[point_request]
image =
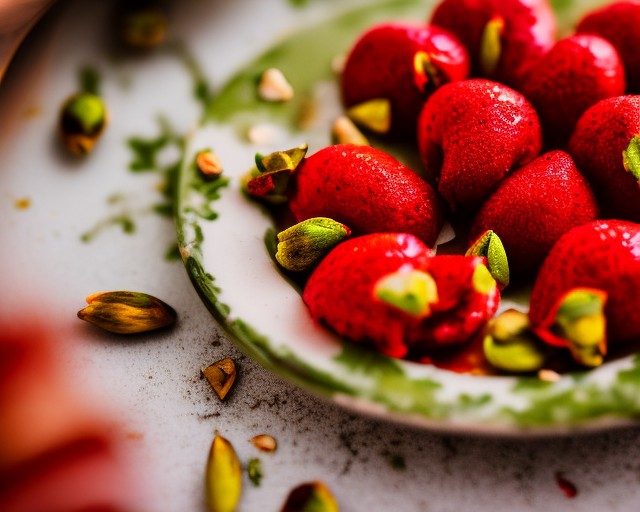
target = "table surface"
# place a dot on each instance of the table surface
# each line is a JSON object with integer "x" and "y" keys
{"x": 152, "y": 383}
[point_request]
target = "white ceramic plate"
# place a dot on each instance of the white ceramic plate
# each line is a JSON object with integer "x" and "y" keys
{"x": 222, "y": 240}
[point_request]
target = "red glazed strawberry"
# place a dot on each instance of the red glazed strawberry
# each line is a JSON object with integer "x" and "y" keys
{"x": 618, "y": 23}
{"x": 577, "y": 72}
{"x": 592, "y": 265}
{"x": 503, "y": 37}
{"x": 606, "y": 147}
{"x": 388, "y": 290}
{"x": 533, "y": 207}
{"x": 367, "y": 190}
{"x": 401, "y": 64}
{"x": 471, "y": 134}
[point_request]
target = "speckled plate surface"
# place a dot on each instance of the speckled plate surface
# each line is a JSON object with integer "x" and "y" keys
{"x": 222, "y": 241}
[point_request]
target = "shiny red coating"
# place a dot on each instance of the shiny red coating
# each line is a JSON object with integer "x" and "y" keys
{"x": 471, "y": 134}
{"x": 601, "y": 135}
{"x": 577, "y": 72}
{"x": 381, "y": 65}
{"x": 366, "y": 189}
{"x": 533, "y": 207}
{"x": 604, "y": 255}
{"x": 529, "y": 32}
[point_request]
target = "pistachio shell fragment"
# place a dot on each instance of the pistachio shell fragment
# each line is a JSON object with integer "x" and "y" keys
{"x": 223, "y": 482}
{"x": 269, "y": 180}
{"x": 124, "y": 312}
{"x": 303, "y": 245}
{"x": 287, "y": 160}
{"x": 412, "y": 292}
{"x": 274, "y": 86}
{"x": 490, "y": 247}
{"x": 83, "y": 118}
{"x": 374, "y": 115}
{"x": 344, "y": 131}
{"x": 221, "y": 375}
{"x": 631, "y": 158}
{"x": 264, "y": 443}
{"x": 310, "y": 497}
{"x": 491, "y": 45}
{"x": 208, "y": 163}
{"x": 511, "y": 346}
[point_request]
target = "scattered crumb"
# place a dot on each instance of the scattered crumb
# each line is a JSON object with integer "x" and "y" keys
{"x": 567, "y": 487}
{"x": 274, "y": 86}
{"x": 548, "y": 375}
{"x": 135, "y": 435}
{"x": 261, "y": 134}
{"x": 22, "y": 204}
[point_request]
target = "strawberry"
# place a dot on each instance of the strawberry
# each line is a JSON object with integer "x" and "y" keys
{"x": 388, "y": 290}
{"x": 618, "y": 23}
{"x": 401, "y": 64}
{"x": 503, "y": 37}
{"x": 471, "y": 134}
{"x": 533, "y": 207}
{"x": 367, "y": 190}
{"x": 606, "y": 147}
{"x": 592, "y": 266}
{"x": 577, "y": 72}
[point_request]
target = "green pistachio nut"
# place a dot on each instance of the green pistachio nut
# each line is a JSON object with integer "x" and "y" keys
{"x": 125, "y": 312}
{"x": 580, "y": 320}
{"x": 631, "y": 158}
{"x": 491, "y": 45}
{"x": 410, "y": 291}
{"x": 82, "y": 120}
{"x": 490, "y": 247}
{"x": 269, "y": 180}
{"x": 373, "y": 115}
{"x": 511, "y": 346}
{"x": 223, "y": 478}
{"x": 310, "y": 497}
{"x": 302, "y": 246}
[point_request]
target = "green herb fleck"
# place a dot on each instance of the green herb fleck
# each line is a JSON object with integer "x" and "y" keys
{"x": 89, "y": 80}
{"x": 123, "y": 220}
{"x": 254, "y": 469}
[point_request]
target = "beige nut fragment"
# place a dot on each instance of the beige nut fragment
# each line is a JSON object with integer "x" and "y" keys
{"x": 264, "y": 443}
{"x": 221, "y": 375}
{"x": 274, "y": 86}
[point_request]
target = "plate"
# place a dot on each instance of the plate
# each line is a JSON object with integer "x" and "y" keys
{"x": 223, "y": 242}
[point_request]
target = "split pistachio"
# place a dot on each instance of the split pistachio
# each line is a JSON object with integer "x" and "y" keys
{"x": 144, "y": 27}
{"x": 426, "y": 76}
{"x": 490, "y": 247}
{"x": 83, "y": 118}
{"x": 344, "y": 131}
{"x": 511, "y": 346}
{"x": 223, "y": 477}
{"x": 221, "y": 375}
{"x": 631, "y": 158}
{"x": 310, "y": 497}
{"x": 264, "y": 443}
{"x": 208, "y": 163}
{"x": 269, "y": 180}
{"x": 491, "y": 45}
{"x": 124, "y": 312}
{"x": 411, "y": 291}
{"x": 303, "y": 245}
{"x": 581, "y": 322}
{"x": 274, "y": 86}
{"x": 374, "y": 115}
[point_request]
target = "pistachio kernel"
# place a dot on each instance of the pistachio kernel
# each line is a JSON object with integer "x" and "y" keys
{"x": 82, "y": 120}
{"x": 223, "y": 478}
{"x": 491, "y": 45}
{"x": 409, "y": 290}
{"x": 208, "y": 163}
{"x": 303, "y": 245}
{"x": 426, "y": 76}
{"x": 490, "y": 247}
{"x": 274, "y": 86}
{"x": 373, "y": 115}
{"x": 344, "y": 131}
{"x": 144, "y": 28}
{"x": 124, "y": 312}
{"x": 310, "y": 497}
{"x": 482, "y": 280}
{"x": 264, "y": 443}
{"x": 511, "y": 346}
{"x": 221, "y": 375}
{"x": 631, "y": 158}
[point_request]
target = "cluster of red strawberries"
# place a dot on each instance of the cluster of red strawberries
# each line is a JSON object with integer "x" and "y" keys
{"x": 531, "y": 143}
